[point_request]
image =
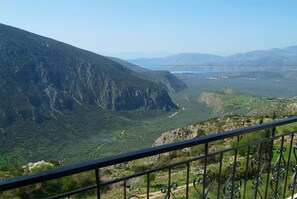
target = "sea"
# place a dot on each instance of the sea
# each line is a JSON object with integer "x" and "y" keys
{"x": 182, "y": 70}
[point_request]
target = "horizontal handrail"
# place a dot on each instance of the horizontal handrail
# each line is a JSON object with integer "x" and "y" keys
{"x": 117, "y": 159}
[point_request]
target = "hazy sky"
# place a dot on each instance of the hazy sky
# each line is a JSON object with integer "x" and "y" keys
{"x": 154, "y": 26}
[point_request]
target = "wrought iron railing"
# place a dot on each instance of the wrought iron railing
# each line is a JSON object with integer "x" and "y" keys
{"x": 252, "y": 162}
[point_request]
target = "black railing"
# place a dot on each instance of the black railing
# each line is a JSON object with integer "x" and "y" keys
{"x": 252, "y": 162}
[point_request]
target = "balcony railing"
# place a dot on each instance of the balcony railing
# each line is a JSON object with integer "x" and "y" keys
{"x": 252, "y": 162}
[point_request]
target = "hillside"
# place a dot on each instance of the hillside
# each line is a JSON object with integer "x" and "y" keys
{"x": 209, "y": 127}
{"x": 230, "y": 102}
{"x": 55, "y": 96}
{"x": 138, "y": 185}
{"x": 41, "y": 77}
{"x": 274, "y": 59}
{"x": 165, "y": 78}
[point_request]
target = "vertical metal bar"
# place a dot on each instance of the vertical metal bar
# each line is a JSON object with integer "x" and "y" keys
{"x": 294, "y": 181}
{"x": 288, "y": 165}
{"x": 246, "y": 171}
{"x": 187, "y": 182}
{"x": 148, "y": 186}
{"x": 97, "y": 183}
{"x": 204, "y": 173}
{"x": 278, "y": 175}
{"x": 293, "y": 191}
{"x": 125, "y": 190}
{"x": 269, "y": 162}
{"x": 169, "y": 182}
{"x": 258, "y": 170}
{"x": 220, "y": 173}
{"x": 233, "y": 173}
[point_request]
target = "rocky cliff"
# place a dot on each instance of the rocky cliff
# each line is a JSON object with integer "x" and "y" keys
{"x": 41, "y": 77}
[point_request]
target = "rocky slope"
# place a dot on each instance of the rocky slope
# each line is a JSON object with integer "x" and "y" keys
{"x": 165, "y": 78}
{"x": 208, "y": 127}
{"x": 41, "y": 77}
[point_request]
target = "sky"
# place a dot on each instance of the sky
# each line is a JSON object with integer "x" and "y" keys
{"x": 152, "y": 28}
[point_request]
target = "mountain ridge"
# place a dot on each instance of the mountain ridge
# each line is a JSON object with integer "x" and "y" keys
{"x": 276, "y": 59}
{"x": 163, "y": 77}
{"x": 177, "y": 59}
{"x": 41, "y": 77}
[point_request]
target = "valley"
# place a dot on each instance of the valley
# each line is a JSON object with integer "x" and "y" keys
{"x": 211, "y": 103}
{"x": 97, "y": 133}
{"x": 56, "y": 99}
{"x": 148, "y": 99}
{"x": 64, "y": 104}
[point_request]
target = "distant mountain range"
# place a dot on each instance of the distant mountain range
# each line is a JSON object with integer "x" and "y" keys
{"x": 41, "y": 77}
{"x": 273, "y": 59}
{"x": 178, "y": 59}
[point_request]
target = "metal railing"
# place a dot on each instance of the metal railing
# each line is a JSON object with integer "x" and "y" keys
{"x": 252, "y": 162}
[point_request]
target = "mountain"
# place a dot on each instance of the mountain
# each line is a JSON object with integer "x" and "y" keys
{"x": 165, "y": 78}
{"x": 274, "y": 59}
{"x": 130, "y": 66}
{"x": 178, "y": 59}
{"x": 41, "y": 77}
{"x": 289, "y": 52}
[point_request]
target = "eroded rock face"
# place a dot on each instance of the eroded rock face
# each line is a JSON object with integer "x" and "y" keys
{"x": 41, "y": 77}
{"x": 212, "y": 126}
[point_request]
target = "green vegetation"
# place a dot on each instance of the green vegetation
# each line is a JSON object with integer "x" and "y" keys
{"x": 73, "y": 126}
{"x": 159, "y": 179}
{"x": 59, "y": 102}
{"x": 91, "y": 133}
{"x": 230, "y": 102}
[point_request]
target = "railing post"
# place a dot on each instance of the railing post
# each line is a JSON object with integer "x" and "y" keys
{"x": 205, "y": 164}
{"x": 187, "y": 181}
{"x": 125, "y": 190}
{"x": 258, "y": 170}
{"x": 148, "y": 186}
{"x": 169, "y": 182}
{"x": 269, "y": 161}
{"x": 277, "y": 188}
{"x": 288, "y": 165}
{"x": 220, "y": 173}
{"x": 233, "y": 173}
{"x": 246, "y": 171}
{"x": 97, "y": 182}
